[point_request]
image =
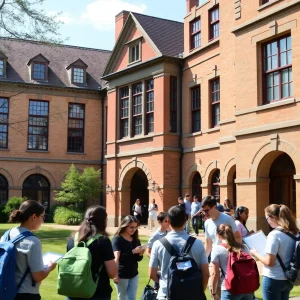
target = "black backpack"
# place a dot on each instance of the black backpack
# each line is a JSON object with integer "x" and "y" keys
{"x": 292, "y": 272}
{"x": 184, "y": 275}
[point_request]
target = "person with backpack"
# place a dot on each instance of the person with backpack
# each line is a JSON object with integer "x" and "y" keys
{"x": 240, "y": 277}
{"x": 241, "y": 215}
{"x": 279, "y": 250}
{"x": 25, "y": 271}
{"x": 182, "y": 261}
{"x": 128, "y": 252}
{"x": 103, "y": 265}
{"x": 214, "y": 219}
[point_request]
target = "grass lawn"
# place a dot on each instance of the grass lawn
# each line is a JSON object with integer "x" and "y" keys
{"x": 55, "y": 240}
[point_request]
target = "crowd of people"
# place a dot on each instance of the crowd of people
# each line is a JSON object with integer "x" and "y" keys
{"x": 224, "y": 226}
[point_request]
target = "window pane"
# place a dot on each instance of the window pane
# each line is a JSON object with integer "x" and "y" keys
{"x": 39, "y": 71}
{"x": 291, "y": 89}
{"x": 276, "y": 93}
{"x": 283, "y": 59}
{"x": 270, "y": 80}
{"x": 282, "y": 44}
{"x": 285, "y": 90}
{"x": 289, "y": 57}
{"x": 274, "y": 62}
{"x": 285, "y": 75}
{"x": 276, "y": 78}
{"x": 78, "y": 75}
{"x": 274, "y": 48}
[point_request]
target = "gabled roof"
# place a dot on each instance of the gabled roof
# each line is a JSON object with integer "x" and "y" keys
{"x": 164, "y": 36}
{"x": 19, "y": 52}
{"x": 76, "y": 63}
{"x": 167, "y": 35}
{"x": 35, "y": 57}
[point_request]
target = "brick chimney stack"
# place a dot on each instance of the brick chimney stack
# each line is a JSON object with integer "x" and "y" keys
{"x": 120, "y": 20}
{"x": 190, "y": 4}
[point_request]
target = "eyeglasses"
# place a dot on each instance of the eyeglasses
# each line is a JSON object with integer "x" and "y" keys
{"x": 206, "y": 210}
{"x": 267, "y": 219}
{"x": 42, "y": 216}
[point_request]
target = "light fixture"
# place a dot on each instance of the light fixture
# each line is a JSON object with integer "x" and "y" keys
{"x": 109, "y": 189}
{"x": 154, "y": 186}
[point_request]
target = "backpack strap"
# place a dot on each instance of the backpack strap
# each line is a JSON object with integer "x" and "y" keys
{"x": 168, "y": 246}
{"x": 21, "y": 236}
{"x": 188, "y": 245}
{"x": 87, "y": 243}
{"x": 287, "y": 233}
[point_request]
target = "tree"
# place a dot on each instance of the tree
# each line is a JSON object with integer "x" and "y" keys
{"x": 21, "y": 19}
{"x": 78, "y": 188}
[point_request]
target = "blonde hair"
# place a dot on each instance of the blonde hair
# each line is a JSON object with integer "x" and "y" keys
{"x": 282, "y": 214}
{"x": 225, "y": 231}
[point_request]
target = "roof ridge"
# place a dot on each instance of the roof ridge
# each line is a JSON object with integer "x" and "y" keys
{"x": 157, "y": 18}
{"x": 54, "y": 45}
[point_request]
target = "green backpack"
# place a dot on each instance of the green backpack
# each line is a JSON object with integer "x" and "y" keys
{"x": 75, "y": 278}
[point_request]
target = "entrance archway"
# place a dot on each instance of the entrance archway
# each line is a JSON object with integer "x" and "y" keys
{"x": 139, "y": 190}
{"x": 282, "y": 184}
{"x": 215, "y": 184}
{"x": 36, "y": 187}
{"x": 196, "y": 185}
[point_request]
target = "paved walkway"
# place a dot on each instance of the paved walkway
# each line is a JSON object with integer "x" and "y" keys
{"x": 143, "y": 230}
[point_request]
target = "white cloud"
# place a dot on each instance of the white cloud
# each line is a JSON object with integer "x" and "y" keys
{"x": 101, "y": 13}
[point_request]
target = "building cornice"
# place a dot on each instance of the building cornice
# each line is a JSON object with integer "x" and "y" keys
{"x": 268, "y": 14}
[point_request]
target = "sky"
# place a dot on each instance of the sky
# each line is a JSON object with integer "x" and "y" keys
{"x": 90, "y": 23}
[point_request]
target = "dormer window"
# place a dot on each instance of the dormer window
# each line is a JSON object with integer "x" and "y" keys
{"x": 77, "y": 72}
{"x": 39, "y": 71}
{"x": 3, "y": 60}
{"x": 78, "y": 75}
{"x": 134, "y": 52}
{"x": 39, "y": 68}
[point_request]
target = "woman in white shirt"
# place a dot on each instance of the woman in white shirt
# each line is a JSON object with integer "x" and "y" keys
{"x": 275, "y": 285}
{"x": 241, "y": 216}
{"x": 153, "y": 208}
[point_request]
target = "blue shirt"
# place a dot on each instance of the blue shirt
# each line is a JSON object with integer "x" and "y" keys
{"x": 195, "y": 207}
{"x": 157, "y": 235}
{"x": 188, "y": 206}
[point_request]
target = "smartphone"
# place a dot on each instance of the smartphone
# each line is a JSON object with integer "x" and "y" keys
{"x": 144, "y": 246}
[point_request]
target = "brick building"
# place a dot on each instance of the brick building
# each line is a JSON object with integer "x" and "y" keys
{"x": 207, "y": 106}
{"x": 52, "y": 114}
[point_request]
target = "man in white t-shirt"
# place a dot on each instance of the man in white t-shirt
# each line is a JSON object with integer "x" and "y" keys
{"x": 153, "y": 208}
{"x": 215, "y": 218}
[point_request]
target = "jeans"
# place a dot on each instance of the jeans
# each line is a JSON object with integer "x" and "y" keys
{"x": 225, "y": 295}
{"x": 187, "y": 225}
{"x": 275, "y": 289}
{"x": 127, "y": 288}
{"x": 195, "y": 223}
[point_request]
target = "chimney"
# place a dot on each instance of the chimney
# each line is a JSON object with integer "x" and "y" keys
{"x": 190, "y": 4}
{"x": 120, "y": 20}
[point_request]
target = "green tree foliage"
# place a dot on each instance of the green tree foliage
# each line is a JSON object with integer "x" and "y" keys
{"x": 12, "y": 204}
{"x": 78, "y": 188}
{"x": 22, "y": 19}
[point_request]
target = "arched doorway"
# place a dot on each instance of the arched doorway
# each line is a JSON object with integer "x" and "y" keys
{"x": 282, "y": 183}
{"x": 36, "y": 187}
{"x": 215, "y": 184}
{"x": 196, "y": 185}
{"x": 3, "y": 190}
{"x": 139, "y": 190}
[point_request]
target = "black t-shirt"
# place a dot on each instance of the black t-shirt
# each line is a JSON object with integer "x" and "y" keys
{"x": 128, "y": 262}
{"x": 101, "y": 251}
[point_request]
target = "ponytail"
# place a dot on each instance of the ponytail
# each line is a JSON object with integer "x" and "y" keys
{"x": 283, "y": 216}
{"x": 26, "y": 210}
{"x": 225, "y": 231}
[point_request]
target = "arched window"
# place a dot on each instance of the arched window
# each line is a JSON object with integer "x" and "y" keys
{"x": 36, "y": 187}
{"x": 3, "y": 190}
{"x": 215, "y": 184}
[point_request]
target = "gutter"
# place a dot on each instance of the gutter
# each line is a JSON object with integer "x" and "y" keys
{"x": 102, "y": 150}
{"x": 180, "y": 126}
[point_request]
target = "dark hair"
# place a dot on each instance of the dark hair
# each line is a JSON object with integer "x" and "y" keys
{"x": 177, "y": 216}
{"x": 94, "y": 222}
{"x": 225, "y": 231}
{"x": 161, "y": 216}
{"x": 196, "y": 197}
{"x": 180, "y": 198}
{"x": 125, "y": 223}
{"x": 209, "y": 201}
{"x": 283, "y": 216}
{"x": 26, "y": 210}
{"x": 187, "y": 195}
{"x": 228, "y": 204}
{"x": 239, "y": 211}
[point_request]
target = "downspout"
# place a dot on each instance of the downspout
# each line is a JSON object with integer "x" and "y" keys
{"x": 180, "y": 125}
{"x": 102, "y": 148}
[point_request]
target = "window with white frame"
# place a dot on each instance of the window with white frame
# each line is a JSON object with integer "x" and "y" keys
{"x": 134, "y": 52}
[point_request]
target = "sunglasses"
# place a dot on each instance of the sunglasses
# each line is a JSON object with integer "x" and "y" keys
{"x": 206, "y": 210}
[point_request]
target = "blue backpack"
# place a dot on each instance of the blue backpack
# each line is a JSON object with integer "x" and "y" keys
{"x": 8, "y": 286}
